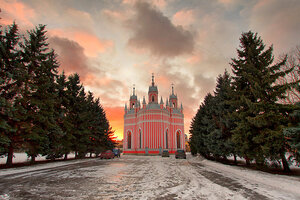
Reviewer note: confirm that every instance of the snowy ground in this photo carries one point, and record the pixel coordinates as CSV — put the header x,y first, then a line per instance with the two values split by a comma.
x,y
144,177
22,157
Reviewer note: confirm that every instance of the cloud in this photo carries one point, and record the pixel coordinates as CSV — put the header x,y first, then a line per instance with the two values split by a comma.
x,y
16,11
277,22
158,3
183,17
155,32
70,56
91,44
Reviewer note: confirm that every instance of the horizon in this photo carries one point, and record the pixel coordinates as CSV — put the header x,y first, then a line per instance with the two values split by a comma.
x,y
115,44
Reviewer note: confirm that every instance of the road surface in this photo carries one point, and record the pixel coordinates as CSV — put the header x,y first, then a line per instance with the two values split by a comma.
x,y
144,177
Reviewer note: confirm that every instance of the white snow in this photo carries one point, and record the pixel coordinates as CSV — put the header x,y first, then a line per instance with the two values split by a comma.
x,y
150,177
22,157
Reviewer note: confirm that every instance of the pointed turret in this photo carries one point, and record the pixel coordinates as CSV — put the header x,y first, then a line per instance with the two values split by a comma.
x,y
173,98
153,92
161,103
181,108
133,99
144,103
125,108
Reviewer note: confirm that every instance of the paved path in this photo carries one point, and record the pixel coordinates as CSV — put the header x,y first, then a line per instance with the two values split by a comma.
x,y
133,177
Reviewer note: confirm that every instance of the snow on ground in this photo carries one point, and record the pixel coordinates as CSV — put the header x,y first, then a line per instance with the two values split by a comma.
x,y
22,157
144,177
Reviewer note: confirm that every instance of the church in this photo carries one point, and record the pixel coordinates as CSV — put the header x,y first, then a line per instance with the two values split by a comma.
x,y
152,127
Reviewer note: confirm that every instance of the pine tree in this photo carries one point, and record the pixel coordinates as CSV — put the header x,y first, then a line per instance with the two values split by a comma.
x,y
224,123
258,134
10,86
39,92
292,133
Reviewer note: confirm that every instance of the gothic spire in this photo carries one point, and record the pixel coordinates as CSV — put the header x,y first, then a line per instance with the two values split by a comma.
x,y
144,101
152,79
172,88
161,100
133,89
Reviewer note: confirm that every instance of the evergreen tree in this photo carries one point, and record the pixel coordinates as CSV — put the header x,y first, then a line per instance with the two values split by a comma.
x,y
10,86
223,109
292,133
261,119
40,92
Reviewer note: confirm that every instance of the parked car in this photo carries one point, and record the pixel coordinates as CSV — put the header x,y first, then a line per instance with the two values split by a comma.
x,y
107,155
165,153
117,152
180,154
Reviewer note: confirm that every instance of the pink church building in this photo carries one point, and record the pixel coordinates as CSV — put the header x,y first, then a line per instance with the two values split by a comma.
x,y
152,127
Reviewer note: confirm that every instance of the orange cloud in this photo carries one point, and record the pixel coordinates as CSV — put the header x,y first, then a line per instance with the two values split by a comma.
x,y
91,43
16,11
184,17
115,117
194,59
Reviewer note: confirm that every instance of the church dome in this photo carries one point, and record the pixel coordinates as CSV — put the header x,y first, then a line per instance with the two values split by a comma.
x,y
133,97
153,88
173,96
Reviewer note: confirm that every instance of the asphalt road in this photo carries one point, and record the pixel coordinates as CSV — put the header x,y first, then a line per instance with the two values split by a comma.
x,y
131,177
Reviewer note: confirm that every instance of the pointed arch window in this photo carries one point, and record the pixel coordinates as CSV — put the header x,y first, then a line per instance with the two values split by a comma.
x,y
129,140
153,98
167,139
178,139
140,139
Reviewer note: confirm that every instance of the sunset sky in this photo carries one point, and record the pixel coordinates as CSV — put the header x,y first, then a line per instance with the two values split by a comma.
x,y
113,44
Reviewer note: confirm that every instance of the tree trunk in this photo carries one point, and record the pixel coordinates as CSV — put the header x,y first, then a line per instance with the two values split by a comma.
x,y
285,164
235,161
10,155
32,159
66,157
247,160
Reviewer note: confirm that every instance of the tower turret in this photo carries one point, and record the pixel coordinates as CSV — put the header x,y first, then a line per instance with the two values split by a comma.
x,y
153,92
173,99
181,108
144,103
161,103
133,99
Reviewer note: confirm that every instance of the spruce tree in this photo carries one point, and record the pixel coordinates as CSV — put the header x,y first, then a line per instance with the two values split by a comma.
x,y
261,119
39,92
292,133
10,86
224,123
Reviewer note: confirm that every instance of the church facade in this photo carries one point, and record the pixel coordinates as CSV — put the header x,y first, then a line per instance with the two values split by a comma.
x,y
152,127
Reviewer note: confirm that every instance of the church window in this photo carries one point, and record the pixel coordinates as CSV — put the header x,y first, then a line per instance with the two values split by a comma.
x,y
140,139
173,105
152,98
167,139
129,140
178,139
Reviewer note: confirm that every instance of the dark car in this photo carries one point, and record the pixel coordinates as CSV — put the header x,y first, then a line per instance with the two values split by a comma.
x,y
117,152
107,155
180,154
165,153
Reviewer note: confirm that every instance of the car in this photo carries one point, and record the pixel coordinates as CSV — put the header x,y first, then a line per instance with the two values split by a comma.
x,y
165,153
117,152
107,155
180,154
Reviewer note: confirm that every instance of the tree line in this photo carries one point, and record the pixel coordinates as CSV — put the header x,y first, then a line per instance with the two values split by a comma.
x,y
248,115
44,112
